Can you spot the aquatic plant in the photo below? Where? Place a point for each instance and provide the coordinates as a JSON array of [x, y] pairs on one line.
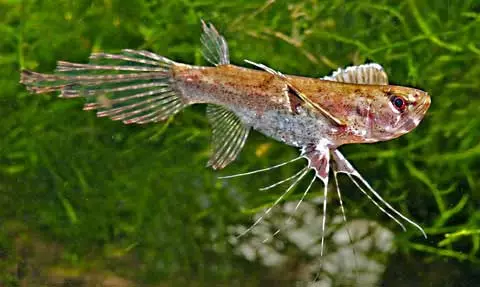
[[111, 196]]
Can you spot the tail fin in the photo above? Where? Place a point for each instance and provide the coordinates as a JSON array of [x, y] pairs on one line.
[[134, 87]]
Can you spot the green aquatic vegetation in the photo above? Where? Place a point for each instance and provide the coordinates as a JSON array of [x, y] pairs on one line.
[[138, 200]]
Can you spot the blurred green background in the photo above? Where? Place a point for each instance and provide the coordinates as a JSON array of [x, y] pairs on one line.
[[90, 202]]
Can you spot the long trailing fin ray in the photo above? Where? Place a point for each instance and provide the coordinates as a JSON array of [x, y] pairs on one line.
[[344, 216], [283, 180], [376, 203], [280, 198], [324, 219], [346, 167], [134, 86], [339, 194], [214, 46], [229, 135], [371, 74], [318, 160], [304, 98], [318, 157], [261, 170], [295, 209]]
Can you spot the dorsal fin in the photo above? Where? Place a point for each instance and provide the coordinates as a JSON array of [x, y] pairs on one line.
[[371, 74], [215, 48], [228, 135]]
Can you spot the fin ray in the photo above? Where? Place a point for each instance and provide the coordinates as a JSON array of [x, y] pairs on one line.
[[298, 178], [134, 86], [215, 48], [228, 135], [372, 74], [342, 165]]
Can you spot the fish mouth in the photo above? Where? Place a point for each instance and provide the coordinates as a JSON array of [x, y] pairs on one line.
[[423, 106]]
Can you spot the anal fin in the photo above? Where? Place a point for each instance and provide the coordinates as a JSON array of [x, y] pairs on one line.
[[228, 135]]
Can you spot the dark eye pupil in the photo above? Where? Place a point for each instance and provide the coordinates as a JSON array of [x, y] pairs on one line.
[[398, 102]]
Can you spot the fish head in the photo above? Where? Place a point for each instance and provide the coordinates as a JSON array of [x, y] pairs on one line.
[[396, 111]]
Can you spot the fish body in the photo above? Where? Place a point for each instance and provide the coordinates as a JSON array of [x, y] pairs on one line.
[[353, 105], [263, 101]]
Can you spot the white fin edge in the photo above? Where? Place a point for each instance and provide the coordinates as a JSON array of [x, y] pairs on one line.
[[369, 74]]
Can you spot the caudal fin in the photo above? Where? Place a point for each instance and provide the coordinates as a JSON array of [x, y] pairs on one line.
[[134, 86]]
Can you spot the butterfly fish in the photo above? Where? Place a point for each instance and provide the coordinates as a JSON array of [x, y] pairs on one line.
[[353, 105]]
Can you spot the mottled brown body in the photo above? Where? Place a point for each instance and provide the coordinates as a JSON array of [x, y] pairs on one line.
[[264, 101]]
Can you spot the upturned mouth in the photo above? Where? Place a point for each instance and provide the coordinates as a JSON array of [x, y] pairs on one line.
[[423, 106]]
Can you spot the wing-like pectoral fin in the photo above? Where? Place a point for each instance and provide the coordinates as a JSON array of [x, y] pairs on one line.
[[312, 105], [296, 91], [342, 165], [228, 135]]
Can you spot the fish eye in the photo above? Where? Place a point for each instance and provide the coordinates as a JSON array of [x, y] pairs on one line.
[[399, 103]]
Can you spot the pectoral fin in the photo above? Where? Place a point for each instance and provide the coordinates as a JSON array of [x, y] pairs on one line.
[[303, 97], [314, 106]]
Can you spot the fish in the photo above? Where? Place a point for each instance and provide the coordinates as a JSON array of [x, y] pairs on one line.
[[353, 105]]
